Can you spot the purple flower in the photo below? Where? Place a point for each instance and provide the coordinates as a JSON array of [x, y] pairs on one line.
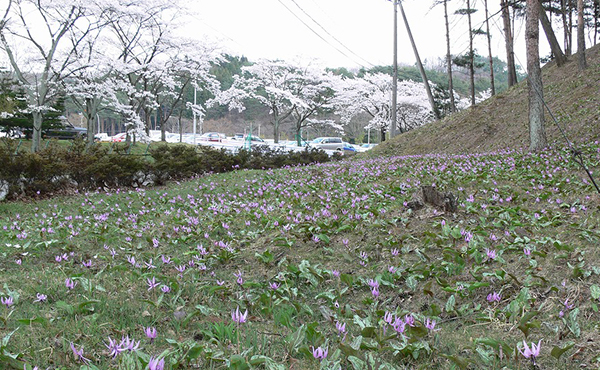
[[128, 344], [335, 273], [79, 354], [375, 292], [373, 283], [409, 320], [150, 333], [165, 289], [527, 251], [239, 317], [430, 324], [41, 297], [388, 318], [491, 253], [7, 301], [341, 328], [399, 325], [395, 252], [156, 364], [152, 283], [494, 297], [70, 284], [532, 352], [274, 285], [240, 280], [113, 348], [319, 353]]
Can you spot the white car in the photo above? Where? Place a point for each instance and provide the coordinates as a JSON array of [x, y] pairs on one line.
[[328, 143]]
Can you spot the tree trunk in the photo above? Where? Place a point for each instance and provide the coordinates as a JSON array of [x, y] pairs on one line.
[[471, 55], [36, 139], [489, 39], [394, 121], [537, 131], [434, 109], [508, 37], [581, 36], [559, 56], [90, 116], [596, 19], [449, 59]]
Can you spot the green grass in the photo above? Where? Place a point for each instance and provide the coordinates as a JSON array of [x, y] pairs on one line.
[[324, 234]]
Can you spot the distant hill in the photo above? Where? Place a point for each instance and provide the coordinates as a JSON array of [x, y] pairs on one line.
[[502, 121]]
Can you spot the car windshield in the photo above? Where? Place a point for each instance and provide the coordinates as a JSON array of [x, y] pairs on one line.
[[317, 140]]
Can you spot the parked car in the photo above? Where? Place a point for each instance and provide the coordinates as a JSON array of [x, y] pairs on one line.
[[212, 136], [329, 143], [67, 132], [366, 147], [119, 137], [349, 148]]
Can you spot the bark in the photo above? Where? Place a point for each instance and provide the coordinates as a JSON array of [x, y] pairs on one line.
[[559, 56], [537, 131], [581, 36], [491, 58], [471, 55], [90, 117], [508, 37], [449, 59]]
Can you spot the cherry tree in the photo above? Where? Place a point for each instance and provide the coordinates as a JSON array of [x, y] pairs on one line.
[[33, 35], [141, 38], [372, 93], [289, 90], [314, 90]]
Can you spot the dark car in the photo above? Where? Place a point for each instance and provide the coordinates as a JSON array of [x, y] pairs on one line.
[[67, 132]]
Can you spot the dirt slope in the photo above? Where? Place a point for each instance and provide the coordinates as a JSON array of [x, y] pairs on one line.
[[502, 121]]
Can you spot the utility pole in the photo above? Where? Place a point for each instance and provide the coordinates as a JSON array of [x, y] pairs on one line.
[[436, 112], [395, 78]]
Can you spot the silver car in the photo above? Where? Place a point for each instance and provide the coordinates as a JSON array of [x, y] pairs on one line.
[[329, 143]]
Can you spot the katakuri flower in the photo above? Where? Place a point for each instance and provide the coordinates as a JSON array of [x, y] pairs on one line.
[[319, 353], [239, 317], [532, 352]]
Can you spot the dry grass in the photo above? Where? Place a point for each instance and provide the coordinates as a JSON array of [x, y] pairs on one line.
[[502, 121]]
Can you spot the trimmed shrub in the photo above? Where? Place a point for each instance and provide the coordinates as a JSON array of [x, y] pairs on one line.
[[60, 169]]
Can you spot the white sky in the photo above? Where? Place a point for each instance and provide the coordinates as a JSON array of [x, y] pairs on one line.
[[267, 29]]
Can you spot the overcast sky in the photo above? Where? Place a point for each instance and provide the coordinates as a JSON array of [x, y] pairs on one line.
[[348, 33]]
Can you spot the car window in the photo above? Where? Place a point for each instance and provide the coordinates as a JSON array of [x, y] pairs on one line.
[[336, 140]]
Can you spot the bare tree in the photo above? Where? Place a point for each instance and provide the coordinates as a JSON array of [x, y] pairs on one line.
[[471, 57], [489, 40], [537, 130], [448, 55], [581, 36], [46, 59], [508, 38], [559, 56]]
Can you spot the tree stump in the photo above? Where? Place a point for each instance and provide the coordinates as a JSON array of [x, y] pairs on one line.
[[445, 201]]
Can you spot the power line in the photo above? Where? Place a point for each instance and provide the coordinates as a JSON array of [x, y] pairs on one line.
[[328, 33], [318, 35]]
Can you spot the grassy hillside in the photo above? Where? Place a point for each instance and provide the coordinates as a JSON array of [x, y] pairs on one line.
[[502, 121]]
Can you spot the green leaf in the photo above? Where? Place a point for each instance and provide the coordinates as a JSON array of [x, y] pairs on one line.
[[37, 320], [595, 292], [525, 323], [357, 363], [237, 362], [557, 351], [6, 339], [65, 307], [450, 303], [368, 332]]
